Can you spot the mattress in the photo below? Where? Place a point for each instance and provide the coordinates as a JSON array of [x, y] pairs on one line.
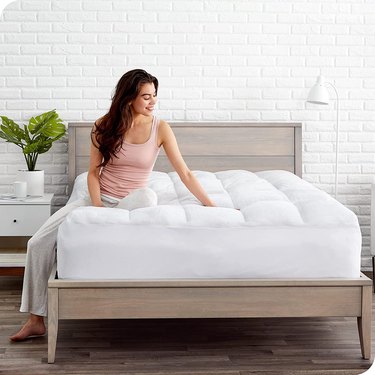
[[269, 224]]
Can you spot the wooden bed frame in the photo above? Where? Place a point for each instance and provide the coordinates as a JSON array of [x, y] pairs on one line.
[[213, 147]]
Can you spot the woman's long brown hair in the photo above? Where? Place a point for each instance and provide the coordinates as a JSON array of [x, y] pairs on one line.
[[109, 131]]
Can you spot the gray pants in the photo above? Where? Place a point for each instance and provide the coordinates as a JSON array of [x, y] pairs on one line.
[[41, 248]]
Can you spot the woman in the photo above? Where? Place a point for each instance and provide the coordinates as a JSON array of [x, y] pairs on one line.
[[125, 145]]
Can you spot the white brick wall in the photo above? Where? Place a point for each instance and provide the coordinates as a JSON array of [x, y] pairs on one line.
[[215, 59]]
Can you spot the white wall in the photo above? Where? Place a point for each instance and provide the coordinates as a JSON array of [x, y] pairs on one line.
[[215, 60]]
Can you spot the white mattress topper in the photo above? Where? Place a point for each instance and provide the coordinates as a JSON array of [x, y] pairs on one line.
[[284, 228], [267, 198]]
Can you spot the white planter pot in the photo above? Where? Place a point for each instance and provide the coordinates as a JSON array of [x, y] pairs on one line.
[[34, 180]]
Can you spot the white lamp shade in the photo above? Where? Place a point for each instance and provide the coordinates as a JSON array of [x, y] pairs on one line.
[[318, 93]]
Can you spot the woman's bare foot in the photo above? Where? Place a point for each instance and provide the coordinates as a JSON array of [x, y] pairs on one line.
[[33, 327]]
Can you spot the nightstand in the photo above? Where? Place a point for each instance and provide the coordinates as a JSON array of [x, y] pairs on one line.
[[19, 220]]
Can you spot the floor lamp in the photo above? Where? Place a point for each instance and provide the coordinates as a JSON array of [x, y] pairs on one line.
[[319, 95]]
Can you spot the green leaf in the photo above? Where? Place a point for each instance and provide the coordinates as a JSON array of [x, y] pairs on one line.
[[37, 123], [11, 132], [27, 135], [9, 138], [54, 129], [39, 147], [8, 122]]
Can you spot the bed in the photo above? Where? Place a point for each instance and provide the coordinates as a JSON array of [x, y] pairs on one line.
[[246, 146]]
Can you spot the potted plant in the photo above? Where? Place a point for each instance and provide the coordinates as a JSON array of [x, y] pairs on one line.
[[34, 138]]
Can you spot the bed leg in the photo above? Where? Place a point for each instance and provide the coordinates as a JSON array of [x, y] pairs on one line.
[[364, 322], [53, 322]]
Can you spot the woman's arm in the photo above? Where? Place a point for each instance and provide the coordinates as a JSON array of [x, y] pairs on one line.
[[167, 139], [93, 174]]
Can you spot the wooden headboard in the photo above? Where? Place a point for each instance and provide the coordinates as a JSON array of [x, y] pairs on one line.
[[212, 146]]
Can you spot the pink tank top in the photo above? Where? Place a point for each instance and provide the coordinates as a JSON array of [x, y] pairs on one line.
[[132, 167]]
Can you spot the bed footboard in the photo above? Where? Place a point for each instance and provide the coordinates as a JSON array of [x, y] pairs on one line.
[[111, 299]]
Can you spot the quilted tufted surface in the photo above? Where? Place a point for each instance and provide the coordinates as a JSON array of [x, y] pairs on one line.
[[268, 198]]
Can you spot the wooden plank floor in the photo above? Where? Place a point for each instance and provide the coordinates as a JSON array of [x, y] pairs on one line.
[[192, 346]]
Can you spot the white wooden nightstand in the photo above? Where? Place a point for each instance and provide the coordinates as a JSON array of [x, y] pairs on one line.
[[19, 220]]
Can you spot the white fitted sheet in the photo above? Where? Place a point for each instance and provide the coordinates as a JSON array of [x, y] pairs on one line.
[[282, 227]]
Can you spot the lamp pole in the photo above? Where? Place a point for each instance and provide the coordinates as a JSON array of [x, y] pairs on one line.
[[319, 95], [337, 137]]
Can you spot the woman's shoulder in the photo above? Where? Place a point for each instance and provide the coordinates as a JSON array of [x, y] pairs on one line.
[[163, 124], [164, 129], [164, 132]]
